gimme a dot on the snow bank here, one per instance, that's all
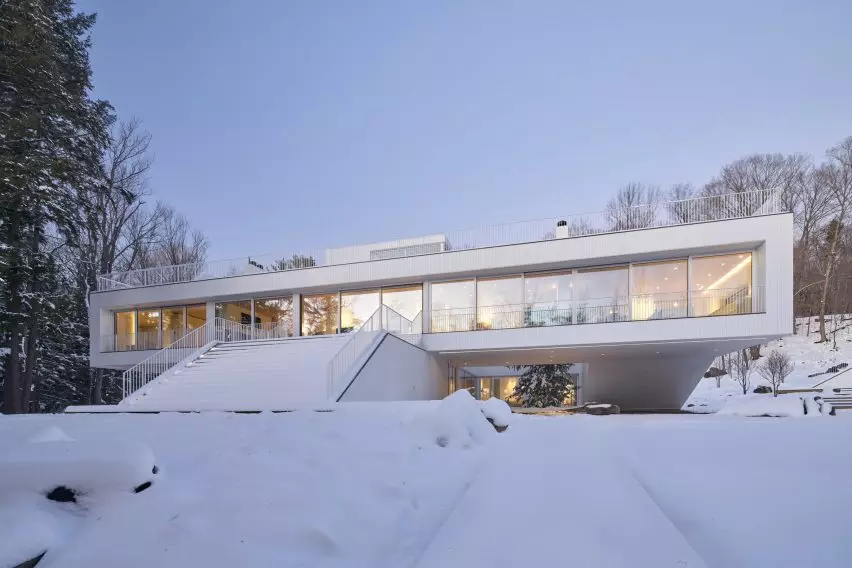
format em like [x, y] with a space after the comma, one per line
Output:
[767, 405]
[84, 467]
[497, 411]
[27, 532]
[458, 421]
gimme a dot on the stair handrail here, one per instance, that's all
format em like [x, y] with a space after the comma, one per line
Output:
[354, 347]
[218, 329]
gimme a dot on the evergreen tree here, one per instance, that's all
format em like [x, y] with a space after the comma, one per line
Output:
[51, 137]
[542, 386]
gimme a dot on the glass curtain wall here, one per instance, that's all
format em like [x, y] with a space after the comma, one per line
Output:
[356, 308]
[405, 300]
[148, 328]
[453, 306]
[548, 299]
[320, 314]
[658, 290]
[273, 317]
[124, 331]
[499, 303]
[196, 316]
[601, 295]
[173, 325]
[239, 311]
[721, 285]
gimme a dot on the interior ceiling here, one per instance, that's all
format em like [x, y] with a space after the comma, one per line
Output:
[588, 354]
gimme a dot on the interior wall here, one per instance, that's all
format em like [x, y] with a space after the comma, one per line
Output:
[398, 370]
[644, 384]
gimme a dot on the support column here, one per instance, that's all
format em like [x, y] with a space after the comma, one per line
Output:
[211, 315]
[297, 315]
[426, 312]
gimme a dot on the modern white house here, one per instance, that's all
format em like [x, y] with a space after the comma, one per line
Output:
[640, 300]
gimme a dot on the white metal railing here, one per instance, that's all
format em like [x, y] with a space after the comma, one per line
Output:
[383, 319]
[219, 330]
[150, 340]
[639, 307]
[662, 214]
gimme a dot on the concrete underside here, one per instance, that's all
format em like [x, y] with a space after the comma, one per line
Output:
[646, 376]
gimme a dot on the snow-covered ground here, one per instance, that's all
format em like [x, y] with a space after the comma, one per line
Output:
[373, 485]
[810, 359]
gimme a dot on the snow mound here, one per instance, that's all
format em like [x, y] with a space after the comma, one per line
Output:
[51, 434]
[84, 467]
[497, 411]
[27, 532]
[784, 405]
[457, 422]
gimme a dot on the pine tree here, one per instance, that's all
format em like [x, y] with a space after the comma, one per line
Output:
[542, 386]
[51, 136]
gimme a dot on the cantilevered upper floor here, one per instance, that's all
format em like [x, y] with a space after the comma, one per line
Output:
[691, 270]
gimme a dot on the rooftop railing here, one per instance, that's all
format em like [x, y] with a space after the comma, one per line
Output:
[614, 220]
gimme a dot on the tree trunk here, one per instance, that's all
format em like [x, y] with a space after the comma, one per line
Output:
[33, 338]
[12, 373]
[97, 386]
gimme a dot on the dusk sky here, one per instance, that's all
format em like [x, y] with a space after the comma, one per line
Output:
[281, 126]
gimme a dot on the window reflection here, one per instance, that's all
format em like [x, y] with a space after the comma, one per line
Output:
[173, 328]
[273, 317]
[405, 300]
[499, 302]
[601, 295]
[453, 306]
[239, 311]
[658, 290]
[125, 330]
[196, 316]
[319, 314]
[148, 329]
[356, 308]
[721, 285]
[548, 299]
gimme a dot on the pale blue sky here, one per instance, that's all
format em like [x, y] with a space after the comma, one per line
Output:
[280, 126]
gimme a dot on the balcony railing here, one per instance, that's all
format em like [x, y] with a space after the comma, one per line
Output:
[706, 303]
[663, 214]
[152, 340]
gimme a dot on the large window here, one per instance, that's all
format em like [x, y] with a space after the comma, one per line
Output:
[319, 314]
[356, 308]
[405, 300]
[499, 303]
[721, 285]
[196, 316]
[601, 295]
[239, 312]
[453, 306]
[658, 290]
[274, 317]
[148, 328]
[125, 331]
[548, 298]
[173, 327]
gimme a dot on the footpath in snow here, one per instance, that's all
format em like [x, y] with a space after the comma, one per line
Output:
[550, 495]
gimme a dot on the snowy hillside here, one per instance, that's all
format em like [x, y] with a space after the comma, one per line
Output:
[425, 485]
[812, 362]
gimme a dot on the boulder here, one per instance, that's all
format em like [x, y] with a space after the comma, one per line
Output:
[762, 389]
[714, 372]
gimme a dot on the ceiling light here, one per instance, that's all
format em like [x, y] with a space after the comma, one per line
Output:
[676, 267]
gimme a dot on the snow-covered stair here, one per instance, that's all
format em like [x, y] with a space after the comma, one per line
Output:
[249, 375]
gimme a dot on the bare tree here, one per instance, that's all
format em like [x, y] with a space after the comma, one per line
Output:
[775, 368]
[677, 206]
[633, 207]
[837, 175]
[741, 368]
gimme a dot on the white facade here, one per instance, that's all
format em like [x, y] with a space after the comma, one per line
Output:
[650, 356]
